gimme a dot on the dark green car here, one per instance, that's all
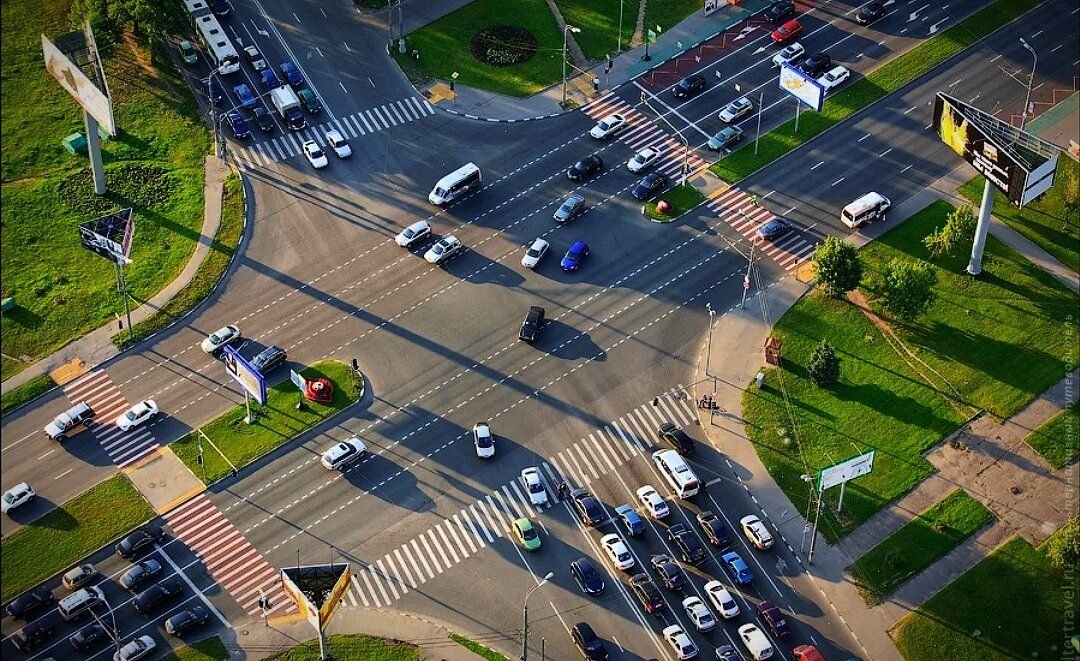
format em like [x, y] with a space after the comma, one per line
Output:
[310, 101]
[725, 138]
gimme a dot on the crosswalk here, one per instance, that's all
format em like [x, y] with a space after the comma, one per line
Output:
[641, 132]
[235, 564]
[737, 209]
[97, 389]
[487, 520]
[351, 126]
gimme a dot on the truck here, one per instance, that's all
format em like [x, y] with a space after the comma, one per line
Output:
[288, 105]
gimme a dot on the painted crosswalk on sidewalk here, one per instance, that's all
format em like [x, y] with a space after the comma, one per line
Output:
[361, 123]
[97, 389]
[235, 564]
[487, 520]
[740, 211]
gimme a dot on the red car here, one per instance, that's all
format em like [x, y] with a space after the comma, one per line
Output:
[787, 32]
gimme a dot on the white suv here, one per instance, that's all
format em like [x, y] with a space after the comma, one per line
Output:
[444, 249]
[834, 77]
[791, 54]
[756, 532]
[338, 143]
[343, 453]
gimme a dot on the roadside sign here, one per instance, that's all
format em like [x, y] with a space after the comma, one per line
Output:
[801, 86]
[298, 380]
[243, 373]
[109, 235]
[846, 471]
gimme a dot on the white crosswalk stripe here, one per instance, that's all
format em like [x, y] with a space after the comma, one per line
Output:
[97, 389]
[738, 209]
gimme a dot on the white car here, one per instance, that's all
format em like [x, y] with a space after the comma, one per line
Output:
[255, 58]
[483, 440]
[534, 253]
[20, 494]
[315, 155]
[413, 233]
[699, 614]
[135, 649]
[137, 415]
[653, 502]
[530, 478]
[343, 453]
[338, 143]
[643, 159]
[680, 643]
[791, 54]
[617, 551]
[834, 77]
[444, 249]
[755, 642]
[219, 338]
[736, 109]
[756, 532]
[607, 126]
[721, 599]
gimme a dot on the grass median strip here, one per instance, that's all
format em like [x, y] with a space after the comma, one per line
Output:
[210, 649]
[360, 647]
[32, 389]
[681, 198]
[69, 533]
[477, 649]
[917, 545]
[277, 422]
[1058, 439]
[878, 84]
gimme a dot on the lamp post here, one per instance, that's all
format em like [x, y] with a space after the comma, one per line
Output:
[525, 616]
[1031, 81]
[618, 37]
[760, 103]
[708, 351]
[809, 499]
[115, 633]
[566, 29]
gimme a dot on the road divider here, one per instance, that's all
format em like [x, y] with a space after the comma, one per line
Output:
[682, 199]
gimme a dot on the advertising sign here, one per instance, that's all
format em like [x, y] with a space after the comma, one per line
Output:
[801, 86]
[109, 236]
[299, 381]
[846, 471]
[86, 93]
[712, 6]
[300, 599]
[243, 373]
[328, 608]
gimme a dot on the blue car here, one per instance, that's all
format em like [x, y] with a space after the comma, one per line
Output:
[243, 93]
[238, 125]
[575, 256]
[737, 569]
[213, 91]
[269, 79]
[630, 519]
[291, 73]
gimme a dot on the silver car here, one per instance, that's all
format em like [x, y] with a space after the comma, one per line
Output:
[570, 208]
[736, 109]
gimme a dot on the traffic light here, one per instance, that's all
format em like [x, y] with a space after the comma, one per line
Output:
[610, 63]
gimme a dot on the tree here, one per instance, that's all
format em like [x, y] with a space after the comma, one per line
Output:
[1063, 547]
[908, 288]
[1071, 196]
[837, 266]
[824, 367]
[959, 231]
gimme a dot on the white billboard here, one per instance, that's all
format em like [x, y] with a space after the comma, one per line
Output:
[243, 373]
[93, 100]
[801, 86]
[846, 471]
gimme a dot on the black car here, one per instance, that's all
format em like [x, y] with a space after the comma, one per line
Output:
[647, 592]
[816, 64]
[139, 542]
[587, 508]
[88, 636]
[688, 87]
[778, 12]
[29, 603]
[715, 530]
[34, 633]
[588, 643]
[588, 579]
[263, 119]
[677, 438]
[530, 328]
[188, 618]
[585, 168]
[213, 91]
[771, 614]
[869, 13]
[668, 572]
[649, 185]
[139, 574]
[269, 359]
[774, 229]
[690, 548]
[239, 127]
[158, 594]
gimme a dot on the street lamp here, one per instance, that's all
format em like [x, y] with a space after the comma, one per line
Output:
[115, 633]
[568, 28]
[525, 616]
[618, 37]
[708, 351]
[1031, 81]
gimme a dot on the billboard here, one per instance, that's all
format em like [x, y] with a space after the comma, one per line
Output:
[846, 471]
[1020, 165]
[110, 235]
[310, 611]
[317, 590]
[326, 611]
[243, 373]
[93, 100]
[801, 86]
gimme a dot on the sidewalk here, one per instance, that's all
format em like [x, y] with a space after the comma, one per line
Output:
[96, 346]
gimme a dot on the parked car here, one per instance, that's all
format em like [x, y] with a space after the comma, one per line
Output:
[269, 359]
[139, 542]
[649, 185]
[534, 253]
[608, 126]
[736, 109]
[725, 138]
[585, 168]
[575, 256]
[789, 31]
[413, 233]
[688, 87]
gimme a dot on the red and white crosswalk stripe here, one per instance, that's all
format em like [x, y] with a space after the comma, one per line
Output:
[641, 132]
[97, 389]
[234, 563]
[737, 209]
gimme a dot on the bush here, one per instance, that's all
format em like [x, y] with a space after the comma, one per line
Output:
[1063, 548]
[503, 45]
[824, 367]
[908, 288]
[958, 231]
[837, 266]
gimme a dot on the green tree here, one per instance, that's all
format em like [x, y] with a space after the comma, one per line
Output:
[959, 231]
[837, 266]
[824, 367]
[1071, 196]
[1063, 547]
[908, 288]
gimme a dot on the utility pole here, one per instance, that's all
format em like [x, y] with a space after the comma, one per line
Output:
[618, 37]
[568, 28]
[760, 103]
[525, 617]
[813, 535]
[708, 351]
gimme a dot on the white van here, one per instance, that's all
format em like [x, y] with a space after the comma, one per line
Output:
[677, 473]
[871, 206]
[78, 602]
[455, 184]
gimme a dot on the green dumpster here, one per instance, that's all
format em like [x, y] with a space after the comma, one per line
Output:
[75, 144]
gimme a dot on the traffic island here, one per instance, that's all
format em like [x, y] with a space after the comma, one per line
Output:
[673, 204]
[228, 443]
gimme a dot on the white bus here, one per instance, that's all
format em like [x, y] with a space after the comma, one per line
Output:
[455, 184]
[219, 48]
[678, 474]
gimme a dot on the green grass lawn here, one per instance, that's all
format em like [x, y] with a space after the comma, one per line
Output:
[32, 389]
[354, 647]
[155, 166]
[210, 649]
[208, 274]
[444, 47]
[668, 13]
[278, 422]
[69, 533]
[682, 199]
[1042, 221]
[599, 21]
[1058, 439]
[917, 545]
[1001, 340]
[1012, 605]
[477, 649]
[885, 80]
